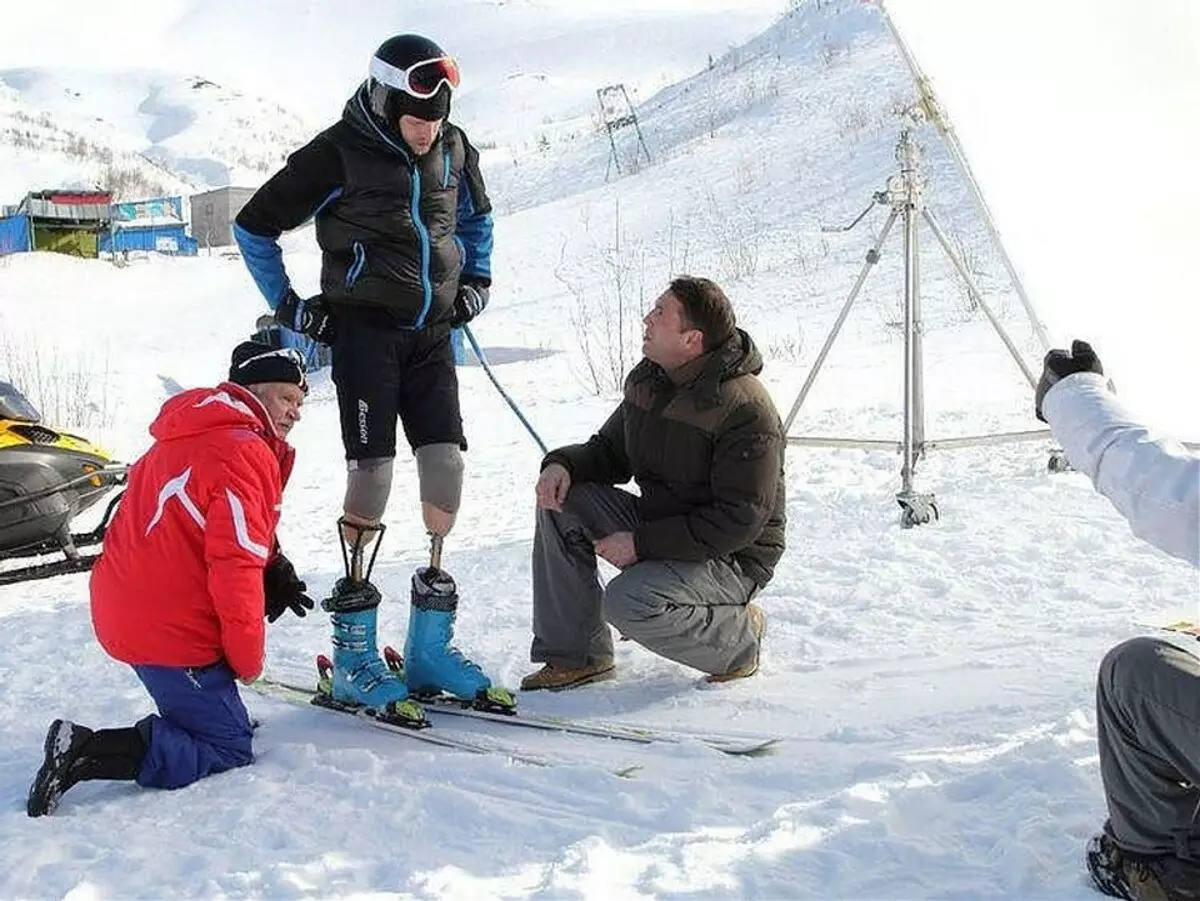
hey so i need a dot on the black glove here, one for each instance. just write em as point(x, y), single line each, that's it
point(1059, 364)
point(308, 317)
point(470, 302)
point(283, 589)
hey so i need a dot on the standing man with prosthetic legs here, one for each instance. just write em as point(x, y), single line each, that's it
point(404, 224)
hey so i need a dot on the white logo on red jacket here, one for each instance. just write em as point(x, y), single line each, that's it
point(177, 487)
point(239, 527)
point(222, 397)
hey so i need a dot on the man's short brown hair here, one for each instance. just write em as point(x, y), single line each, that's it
point(706, 308)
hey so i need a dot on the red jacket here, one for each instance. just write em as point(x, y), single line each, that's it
point(180, 581)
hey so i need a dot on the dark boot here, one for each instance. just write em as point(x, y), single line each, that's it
point(75, 753)
point(1119, 874)
point(63, 744)
point(110, 754)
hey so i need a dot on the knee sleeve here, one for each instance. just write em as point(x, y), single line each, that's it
point(440, 472)
point(368, 484)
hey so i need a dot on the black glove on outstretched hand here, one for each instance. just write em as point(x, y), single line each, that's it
point(471, 300)
point(308, 317)
point(1059, 364)
point(283, 589)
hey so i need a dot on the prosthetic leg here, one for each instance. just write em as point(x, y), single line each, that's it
point(431, 665)
point(357, 677)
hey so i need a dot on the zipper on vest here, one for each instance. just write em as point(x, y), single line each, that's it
point(423, 241)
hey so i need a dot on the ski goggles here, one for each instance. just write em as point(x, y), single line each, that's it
point(421, 80)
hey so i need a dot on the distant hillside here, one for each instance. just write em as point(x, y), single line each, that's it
point(822, 89)
point(137, 132)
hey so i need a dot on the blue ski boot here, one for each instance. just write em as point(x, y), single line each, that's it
point(432, 665)
point(358, 677)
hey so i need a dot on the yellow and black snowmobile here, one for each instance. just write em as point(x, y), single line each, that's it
point(47, 478)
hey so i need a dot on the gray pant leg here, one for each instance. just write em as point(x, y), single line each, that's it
point(1148, 727)
point(568, 628)
point(692, 613)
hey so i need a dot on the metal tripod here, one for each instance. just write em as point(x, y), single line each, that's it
point(904, 194)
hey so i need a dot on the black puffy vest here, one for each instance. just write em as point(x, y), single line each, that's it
point(388, 240)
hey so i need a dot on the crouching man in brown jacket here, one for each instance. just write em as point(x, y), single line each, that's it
point(702, 439)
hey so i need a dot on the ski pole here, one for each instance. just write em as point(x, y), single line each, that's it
point(491, 375)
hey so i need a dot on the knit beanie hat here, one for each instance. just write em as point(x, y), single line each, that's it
point(254, 363)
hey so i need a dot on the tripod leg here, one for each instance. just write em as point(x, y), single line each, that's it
point(916, 509)
point(936, 227)
point(912, 401)
point(872, 259)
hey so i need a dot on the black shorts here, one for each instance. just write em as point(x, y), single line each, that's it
point(383, 373)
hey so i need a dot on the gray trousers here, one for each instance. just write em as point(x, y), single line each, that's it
point(692, 613)
point(1148, 726)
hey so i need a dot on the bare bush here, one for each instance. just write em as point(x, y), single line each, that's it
point(71, 393)
point(808, 255)
point(129, 184)
point(609, 293)
point(738, 232)
point(785, 346)
point(852, 121)
point(679, 244)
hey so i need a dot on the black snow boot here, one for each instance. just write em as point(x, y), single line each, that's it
point(1120, 874)
point(75, 753)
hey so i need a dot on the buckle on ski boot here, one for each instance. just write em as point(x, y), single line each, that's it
point(487, 700)
point(407, 713)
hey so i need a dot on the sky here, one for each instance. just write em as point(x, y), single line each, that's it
point(1079, 118)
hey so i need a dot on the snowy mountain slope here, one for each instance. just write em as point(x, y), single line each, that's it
point(552, 54)
point(803, 138)
point(818, 93)
point(38, 151)
point(201, 114)
point(200, 132)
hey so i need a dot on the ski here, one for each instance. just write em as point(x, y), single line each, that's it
point(308, 697)
point(742, 746)
point(734, 745)
point(1182, 627)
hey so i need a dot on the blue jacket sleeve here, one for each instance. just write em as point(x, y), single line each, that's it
point(311, 180)
point(474, 228)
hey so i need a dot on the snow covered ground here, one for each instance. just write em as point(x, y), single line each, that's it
point(933, 685)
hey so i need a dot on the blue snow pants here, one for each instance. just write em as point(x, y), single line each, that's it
point(202, 727)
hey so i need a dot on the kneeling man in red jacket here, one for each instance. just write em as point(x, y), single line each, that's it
point(189, 569)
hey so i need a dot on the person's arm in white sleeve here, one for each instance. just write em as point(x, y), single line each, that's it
point(1152, 480)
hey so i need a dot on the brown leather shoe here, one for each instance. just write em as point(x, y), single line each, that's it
point(758, 627)
point(556, 678)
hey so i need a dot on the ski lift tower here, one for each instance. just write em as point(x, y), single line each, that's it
point(616, 112)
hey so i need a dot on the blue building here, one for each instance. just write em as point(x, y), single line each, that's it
point(16, 234)
point(152, 226)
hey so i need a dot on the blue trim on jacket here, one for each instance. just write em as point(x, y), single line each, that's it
point(423, 239)
point(333, 195)
point(399, 148)
point(474, 231)
point(264, 258)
